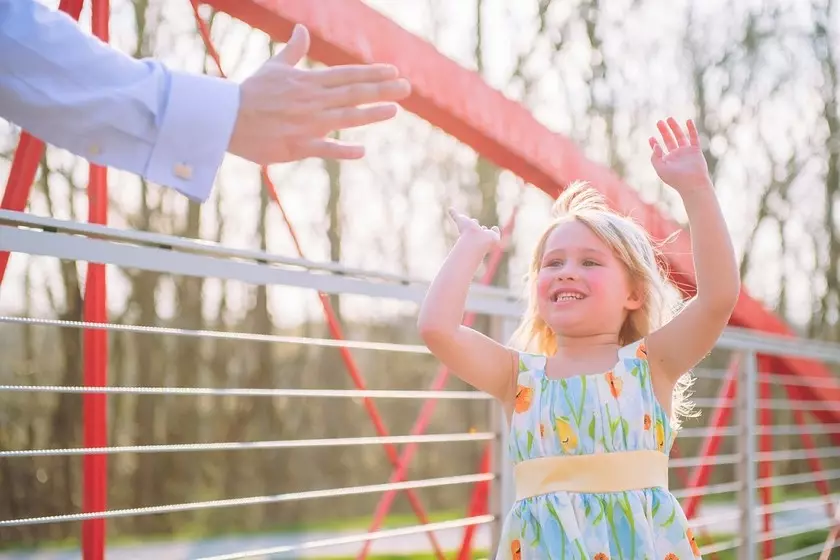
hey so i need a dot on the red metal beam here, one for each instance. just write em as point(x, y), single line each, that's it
point(94, 411)
point(813, 459)
point(501, 130)
point(830, 540)
point(711, 444)
point(478, 505)
point(19, 183)
point(95, 407)
point(765, 445)
point(683, 474)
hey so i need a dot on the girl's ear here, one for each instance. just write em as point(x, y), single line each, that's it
point(635, 299)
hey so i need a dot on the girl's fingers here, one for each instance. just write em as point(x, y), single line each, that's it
point(463, 221)
point(670, 143)
point(678, 133)
point(458, 218)
point(693, 137)
point(657, 149)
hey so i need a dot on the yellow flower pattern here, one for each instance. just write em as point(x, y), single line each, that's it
point(567, 435)
point(608, 412)
point(660, 435)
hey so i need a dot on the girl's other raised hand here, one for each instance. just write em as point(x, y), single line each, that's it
point(680, 164)
point(469, 228)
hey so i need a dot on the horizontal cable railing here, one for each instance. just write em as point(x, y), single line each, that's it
point(774, 448)
point(256, 500)
point(222, 335)
point(221, 392)
point(387, 534)
point(253, 445)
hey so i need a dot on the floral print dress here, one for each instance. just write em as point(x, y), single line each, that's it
point(601, 413)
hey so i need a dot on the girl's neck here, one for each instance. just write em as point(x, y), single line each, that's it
point(574, 347)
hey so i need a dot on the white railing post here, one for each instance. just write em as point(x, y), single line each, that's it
point(747, 475)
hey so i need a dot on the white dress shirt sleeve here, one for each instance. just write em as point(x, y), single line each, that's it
point(71, 90)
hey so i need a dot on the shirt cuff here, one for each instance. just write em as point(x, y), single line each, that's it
point(194, 133)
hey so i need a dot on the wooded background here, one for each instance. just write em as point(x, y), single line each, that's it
point(761, 80)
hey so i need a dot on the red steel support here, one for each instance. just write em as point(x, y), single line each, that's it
point(720, 419)
point(358, 380)
point(813, 460)
point(27, 155)
point(332, 322)
point(478, 504)
point(95, 467)
point(831, 540)
point(683, 476)
point(95, 411)
point(765, 444)
point(21, 177)
point(501, 130)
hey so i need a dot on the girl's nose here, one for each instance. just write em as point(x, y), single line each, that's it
point(568, 273)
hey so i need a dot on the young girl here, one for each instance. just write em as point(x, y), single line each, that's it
point(594, 393)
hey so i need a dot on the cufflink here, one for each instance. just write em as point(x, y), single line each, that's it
point(183, 171)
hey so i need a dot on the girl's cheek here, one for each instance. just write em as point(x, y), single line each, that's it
point(544, 280)
point(596, 280)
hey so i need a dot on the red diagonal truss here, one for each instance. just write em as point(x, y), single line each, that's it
point(428, 408)
point(329, 313)
point(501, 130)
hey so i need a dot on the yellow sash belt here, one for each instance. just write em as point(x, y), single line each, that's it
point(594, 473)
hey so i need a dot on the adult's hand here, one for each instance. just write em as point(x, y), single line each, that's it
point(286, 113)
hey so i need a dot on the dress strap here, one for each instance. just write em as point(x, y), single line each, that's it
point(531, 364)
point(637, 349)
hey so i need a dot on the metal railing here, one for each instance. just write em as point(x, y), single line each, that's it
point(745, 505)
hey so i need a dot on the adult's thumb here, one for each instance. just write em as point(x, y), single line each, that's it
point(297, 47)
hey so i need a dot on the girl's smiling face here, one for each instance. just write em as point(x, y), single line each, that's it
point(582, 288)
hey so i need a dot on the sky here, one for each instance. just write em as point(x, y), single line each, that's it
point(648, 39)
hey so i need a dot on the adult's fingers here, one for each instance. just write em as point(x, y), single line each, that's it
point(362, 94)
point(337, 76)
point(332, 149)
point(321, 123)
point(296, 48)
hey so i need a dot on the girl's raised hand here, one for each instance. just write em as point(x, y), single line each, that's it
point(681, 164)
point(469, 228)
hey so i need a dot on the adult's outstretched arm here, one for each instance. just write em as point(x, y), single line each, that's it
point(74, 91)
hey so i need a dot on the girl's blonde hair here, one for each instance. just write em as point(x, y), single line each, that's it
point(633, 247)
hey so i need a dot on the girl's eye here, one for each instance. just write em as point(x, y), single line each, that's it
point(590, 263)
point(553, 263)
